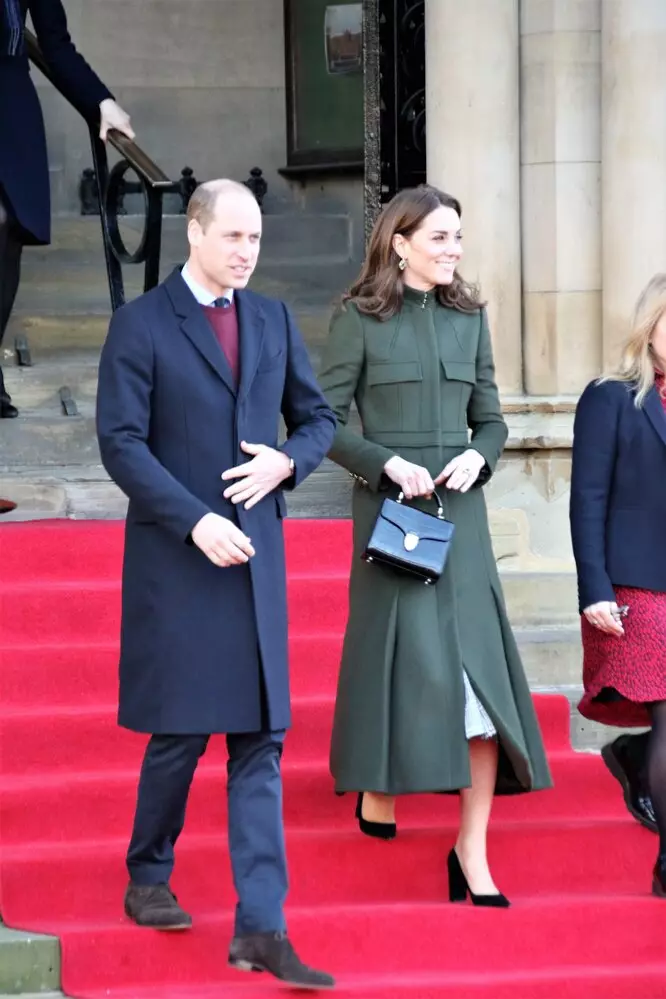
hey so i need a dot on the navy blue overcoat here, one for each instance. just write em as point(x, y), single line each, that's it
point(618, 492)
point(196, 639)
point(24, 171)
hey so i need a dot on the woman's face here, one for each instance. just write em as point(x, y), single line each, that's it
point(659, 341)
point(432, 253)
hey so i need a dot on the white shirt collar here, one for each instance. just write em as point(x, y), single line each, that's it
point(202, 295)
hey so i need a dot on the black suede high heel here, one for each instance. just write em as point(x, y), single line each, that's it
point(380, 830)
point(459, 887)
point(659, 878)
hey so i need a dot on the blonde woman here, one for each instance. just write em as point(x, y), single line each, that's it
point(618, 523)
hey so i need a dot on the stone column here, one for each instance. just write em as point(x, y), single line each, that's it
point(561, 193)
point(472, 99)
point(634, 158)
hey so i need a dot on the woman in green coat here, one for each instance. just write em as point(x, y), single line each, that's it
point(432, 695)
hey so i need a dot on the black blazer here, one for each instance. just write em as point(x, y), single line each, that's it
point(24, 172)
point(618, 492)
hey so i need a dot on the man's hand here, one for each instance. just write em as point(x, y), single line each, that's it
point(221, 541)
point(259, 477)
point(113, 116)
point(462, 472)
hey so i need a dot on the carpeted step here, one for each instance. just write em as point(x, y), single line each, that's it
point(84, 610)
point(71, 738)
point(555, 983)
point(551, 657)
point(330, 867)
point(77, 610)
point(583, 925)
point(405, 939)
point(29, 673)
point(61, 550)
point(68, 807)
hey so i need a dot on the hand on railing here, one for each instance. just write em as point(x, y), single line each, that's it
point(113, 116)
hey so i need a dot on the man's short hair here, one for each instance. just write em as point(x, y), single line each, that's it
point(202, 204)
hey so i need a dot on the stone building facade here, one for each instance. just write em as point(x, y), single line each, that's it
point(547, 118)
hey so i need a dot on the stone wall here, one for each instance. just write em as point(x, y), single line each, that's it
point(203, 80)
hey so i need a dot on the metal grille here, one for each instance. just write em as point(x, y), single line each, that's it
point(395, 99)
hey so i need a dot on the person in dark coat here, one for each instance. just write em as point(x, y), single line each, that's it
point(618, 528)
point(25, 207)
point(432, 695)
point(193, 379)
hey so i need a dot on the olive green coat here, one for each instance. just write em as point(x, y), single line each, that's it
point(421, 382)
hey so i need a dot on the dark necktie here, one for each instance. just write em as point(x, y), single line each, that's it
point(222, 303)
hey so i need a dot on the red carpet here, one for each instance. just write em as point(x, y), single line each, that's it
point(583, 925)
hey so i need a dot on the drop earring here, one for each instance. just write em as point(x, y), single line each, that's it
point(402, 264)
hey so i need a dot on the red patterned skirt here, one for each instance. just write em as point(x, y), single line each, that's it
point(622, 674)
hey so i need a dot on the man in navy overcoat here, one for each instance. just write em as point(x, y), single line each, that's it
point(194, 377)
point(25, 207)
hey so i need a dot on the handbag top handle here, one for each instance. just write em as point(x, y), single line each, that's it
point(436, 496)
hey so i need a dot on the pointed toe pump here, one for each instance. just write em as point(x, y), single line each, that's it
point(380, 830)
point(659, 877)
point(459, 887)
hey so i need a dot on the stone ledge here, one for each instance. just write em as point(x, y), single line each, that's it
point(539, 425)
point(29, 962)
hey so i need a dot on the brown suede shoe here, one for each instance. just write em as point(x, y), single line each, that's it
point(274, 953)
point(156, 907)
point(6, 506)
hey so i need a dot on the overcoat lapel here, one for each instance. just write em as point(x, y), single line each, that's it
point(655, 413)
point(197, 329)
point(251, 331)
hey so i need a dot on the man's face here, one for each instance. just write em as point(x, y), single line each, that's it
point(228, 250)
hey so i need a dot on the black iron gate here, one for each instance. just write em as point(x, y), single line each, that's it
point(395, 112)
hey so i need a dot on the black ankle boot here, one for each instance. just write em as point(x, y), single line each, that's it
point(625, 758)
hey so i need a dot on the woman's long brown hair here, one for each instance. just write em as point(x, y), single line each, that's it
point(379, 289)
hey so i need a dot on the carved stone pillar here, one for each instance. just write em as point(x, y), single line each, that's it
point(561, 194)
point(473, 152)
point(634, 158)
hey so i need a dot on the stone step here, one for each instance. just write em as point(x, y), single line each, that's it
point(76, 340)
point(539, 599)
point(551, 656)
point(29, 964)
point(305, 261)
point(291, 236)
point(586, 736)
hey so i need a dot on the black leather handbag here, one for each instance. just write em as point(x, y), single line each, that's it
point(411, 540)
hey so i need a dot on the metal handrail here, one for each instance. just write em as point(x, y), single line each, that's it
point(153, 184)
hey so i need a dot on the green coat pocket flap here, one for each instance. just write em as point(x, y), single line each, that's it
point(460, 371)
point(391, 372)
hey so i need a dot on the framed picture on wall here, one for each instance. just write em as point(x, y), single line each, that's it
point(324, 58)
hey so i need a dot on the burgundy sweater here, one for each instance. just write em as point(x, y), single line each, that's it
point(224, 323)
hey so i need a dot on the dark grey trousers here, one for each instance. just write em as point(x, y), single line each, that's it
point(256, 833)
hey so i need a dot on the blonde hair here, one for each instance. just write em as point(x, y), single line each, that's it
point(637, 362)
point(202, 204)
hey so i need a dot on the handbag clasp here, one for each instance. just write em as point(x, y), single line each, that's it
point(411, 541)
